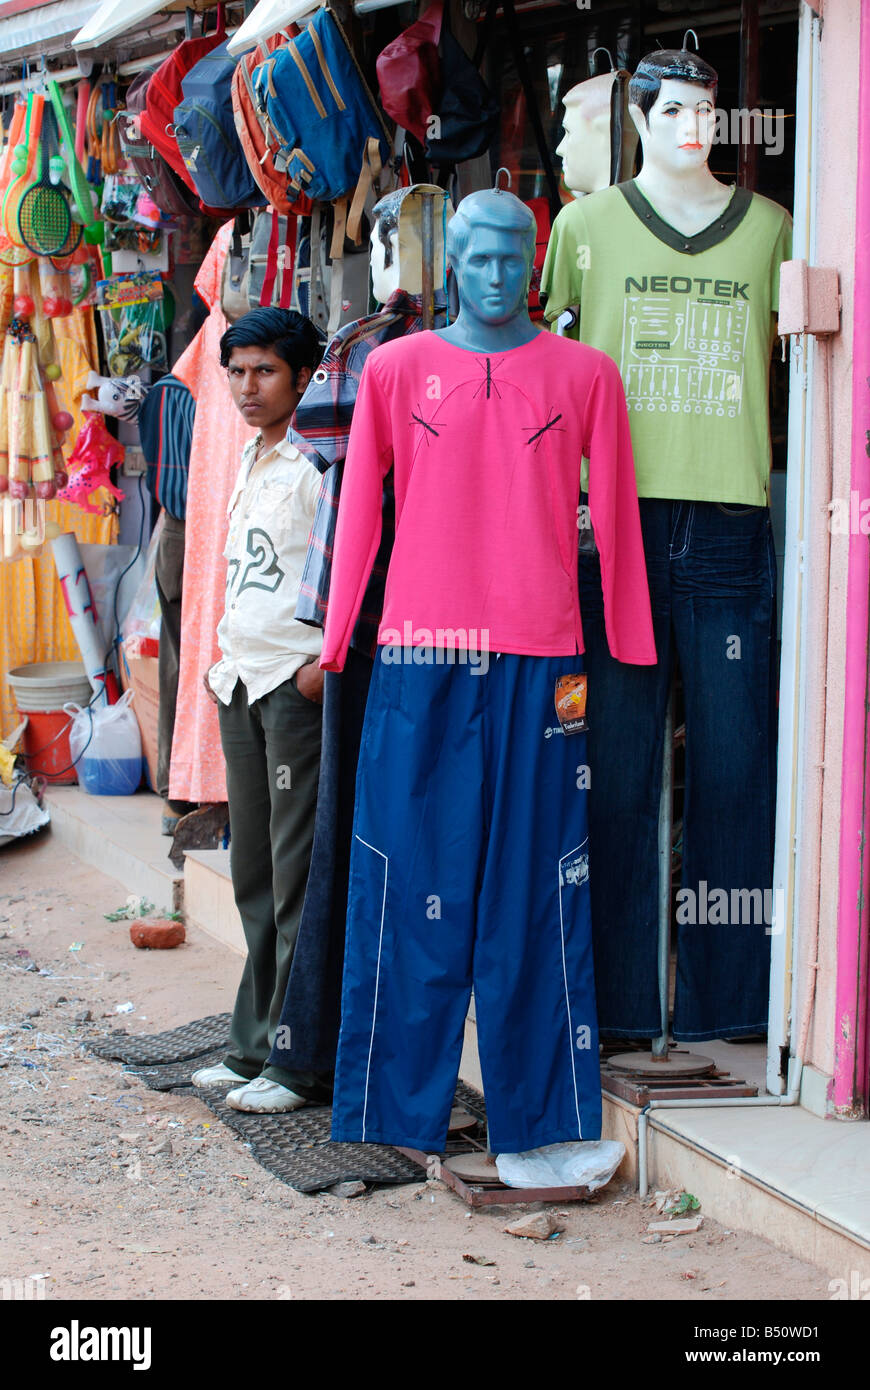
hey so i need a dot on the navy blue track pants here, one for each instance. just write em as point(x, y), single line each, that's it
point(469, 866)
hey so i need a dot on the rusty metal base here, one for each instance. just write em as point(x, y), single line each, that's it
point(675, 1066)
point(494, 1194)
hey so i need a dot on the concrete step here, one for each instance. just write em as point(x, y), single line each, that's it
point(121, 836)
point(208, 897)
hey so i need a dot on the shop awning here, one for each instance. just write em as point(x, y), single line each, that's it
point(45, 30)
point(267, 17)
point(114, 17)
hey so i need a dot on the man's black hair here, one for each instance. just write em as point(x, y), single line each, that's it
point(672, 65)
point(290, 335)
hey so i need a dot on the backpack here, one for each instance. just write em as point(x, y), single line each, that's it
point(206, 134)
point(164, 93)
point(333, 139)
point(162, 183)
point(259, 266)
point(258, 140)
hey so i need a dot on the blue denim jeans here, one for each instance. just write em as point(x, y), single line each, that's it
point(712, 579)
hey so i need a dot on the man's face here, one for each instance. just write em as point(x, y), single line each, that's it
point(493, 274)
point(681, 125)
point(263, 387)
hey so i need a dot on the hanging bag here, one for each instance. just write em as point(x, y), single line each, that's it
point(409, 73)
point(259, 142)
point(468, 113)
point(165, 187)
point(333, 139)
point(206, 136)
point(164, 93)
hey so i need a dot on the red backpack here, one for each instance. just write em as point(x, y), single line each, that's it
point(258, 140)
point(164, 94)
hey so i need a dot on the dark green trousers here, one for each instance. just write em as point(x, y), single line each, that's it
point(272, 752)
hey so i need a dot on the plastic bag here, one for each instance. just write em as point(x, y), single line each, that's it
point(106, 747)
point(21, 811)
point(586, 1163)
point(104, 566)
point(142, 619)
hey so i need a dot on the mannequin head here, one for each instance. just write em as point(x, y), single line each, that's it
point(672, 101)
point(490, 249)
point(396, 240)
point(586, 147)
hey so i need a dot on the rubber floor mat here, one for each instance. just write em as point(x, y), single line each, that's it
point(296, 1148)
point(175, 1076)
point(175, 1045)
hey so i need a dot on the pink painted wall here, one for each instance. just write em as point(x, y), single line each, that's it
point(852, 981)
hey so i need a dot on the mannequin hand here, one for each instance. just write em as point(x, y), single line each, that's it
point(208, 690)
point(309, 682)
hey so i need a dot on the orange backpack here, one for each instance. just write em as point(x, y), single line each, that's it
point(258, 140)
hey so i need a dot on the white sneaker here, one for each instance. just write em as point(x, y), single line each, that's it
point(215, 1076)
point(264, 1096)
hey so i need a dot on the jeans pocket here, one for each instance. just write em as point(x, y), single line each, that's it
point(737, 508)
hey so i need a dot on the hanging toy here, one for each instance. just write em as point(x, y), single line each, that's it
point(94, 454)
point(118, 396)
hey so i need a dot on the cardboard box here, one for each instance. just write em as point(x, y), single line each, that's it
point(139, 673)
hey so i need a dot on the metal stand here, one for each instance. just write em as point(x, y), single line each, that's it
point(427, 238)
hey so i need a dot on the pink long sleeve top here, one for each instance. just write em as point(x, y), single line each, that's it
point(486, 450)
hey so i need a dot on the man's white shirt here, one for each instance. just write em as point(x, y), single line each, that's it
point(271, 511)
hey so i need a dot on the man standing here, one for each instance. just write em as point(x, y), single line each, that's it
point(269, 690)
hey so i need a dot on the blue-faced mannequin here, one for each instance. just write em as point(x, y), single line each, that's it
point(490, 250)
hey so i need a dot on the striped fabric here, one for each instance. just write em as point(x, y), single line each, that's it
point(320, 429)
point(165, 432)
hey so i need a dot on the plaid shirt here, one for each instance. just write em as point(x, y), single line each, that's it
point(320, 430)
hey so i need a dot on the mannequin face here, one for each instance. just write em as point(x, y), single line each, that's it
point(492, 274)
point(585, 146)
point(678, 132)
point(385, 278)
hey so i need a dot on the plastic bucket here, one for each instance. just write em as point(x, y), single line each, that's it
point(49, 685)
point(41, 689)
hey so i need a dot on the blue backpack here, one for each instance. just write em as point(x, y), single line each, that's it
point(205, 131)
point(333, 139)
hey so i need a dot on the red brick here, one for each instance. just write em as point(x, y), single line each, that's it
point(156, 933)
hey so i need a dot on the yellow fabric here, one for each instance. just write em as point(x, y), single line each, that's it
point(34, 625)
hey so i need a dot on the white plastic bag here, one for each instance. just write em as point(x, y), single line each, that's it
point(106, 747)
point(587, 1163)
point(20, 810)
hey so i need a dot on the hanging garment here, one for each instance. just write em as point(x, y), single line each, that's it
point(165, 422)
point(219, 434)
point(321, 428)
point(729, 688)
point(470, 866)
point(35, 625)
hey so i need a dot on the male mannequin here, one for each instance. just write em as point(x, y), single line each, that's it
point(676, 277)
point(469, 860)
point(597, 135)
point(310, 1017)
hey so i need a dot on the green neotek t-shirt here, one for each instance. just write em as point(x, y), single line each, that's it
point(690, 321)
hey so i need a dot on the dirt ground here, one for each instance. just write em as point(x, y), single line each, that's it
point(111, 1191)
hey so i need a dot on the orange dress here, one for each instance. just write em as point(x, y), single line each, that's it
point(219, 433)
